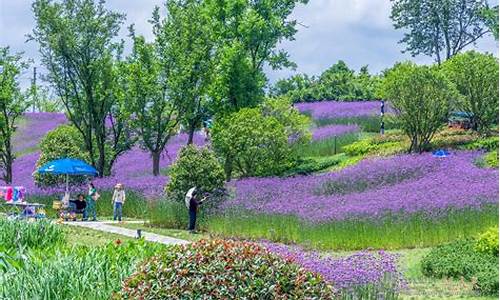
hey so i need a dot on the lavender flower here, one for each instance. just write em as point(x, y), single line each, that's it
point(325, 132)
point(336, 109)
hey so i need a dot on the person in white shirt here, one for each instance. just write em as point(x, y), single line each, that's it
point(118, 200)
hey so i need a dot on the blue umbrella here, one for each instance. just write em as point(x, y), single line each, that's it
point(440, 153)
point(67, 166)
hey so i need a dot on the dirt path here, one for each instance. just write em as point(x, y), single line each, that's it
point(107, 226)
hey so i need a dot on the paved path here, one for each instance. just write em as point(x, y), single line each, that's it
point(108, 227)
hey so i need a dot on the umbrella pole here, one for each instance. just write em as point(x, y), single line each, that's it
point(67, 183)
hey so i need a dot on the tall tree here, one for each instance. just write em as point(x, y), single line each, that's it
point(77, 46)
point(249, 33)
point(185, 46)
point(12, 106)
point(490, 17)
point(152, 111)
point(439, 28)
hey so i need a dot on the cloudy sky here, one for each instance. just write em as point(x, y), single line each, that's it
point(356, 31)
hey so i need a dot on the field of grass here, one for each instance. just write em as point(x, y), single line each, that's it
point(327, 147)
point(391, 233)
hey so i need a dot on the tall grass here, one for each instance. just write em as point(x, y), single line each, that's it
point(75, 273)
point(367, 123)
point(392, 232)
point(326, 147)
point(24, 234)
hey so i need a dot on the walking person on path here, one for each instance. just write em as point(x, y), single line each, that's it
point(92, 197)
point(193, 200)
point(118, 200)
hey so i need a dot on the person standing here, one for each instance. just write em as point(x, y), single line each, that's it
point(92, 197)
point(118, 200)
point(192, 201)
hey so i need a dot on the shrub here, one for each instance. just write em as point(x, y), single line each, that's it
point(310, 165)
point(459, 259)
point(421, 97)
point(223, 269)
point(491, 159)
point(195, 167)
point(64, 141)
point(488, 242)
point(475, 76)
point(488, 144)
point(252, 144)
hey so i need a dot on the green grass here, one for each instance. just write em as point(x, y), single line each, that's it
point(367, 123)
point(80, 236)
point(415, 231)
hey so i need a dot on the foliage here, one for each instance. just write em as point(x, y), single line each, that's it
point(195, 167)
point(77, 47)
point(153, 114)
point(251, 144)
point(336, 83)
point(491, 159)
point(19, 234)
point(223, 269)
point(185, 41)
point(488, 241)
point(421, 97)
point(328, 146)
point(248, 37)
point(459, 259)
point(490, 17)
point(63, 142)
point(488, 144)
point(75, 273)
point(309, 165)
point(439, 28)
point(12, 106)
point(166, 213)
point(295, 123)
point(475, 76)
point(388, 144)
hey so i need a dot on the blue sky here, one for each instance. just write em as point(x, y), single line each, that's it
point(356, 31)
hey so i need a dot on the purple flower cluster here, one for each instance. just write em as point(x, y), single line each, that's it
point(325, 132)
point(133, 168)
point(34, 128)
point(373, 188)
point(337, 109)
point(377, 269)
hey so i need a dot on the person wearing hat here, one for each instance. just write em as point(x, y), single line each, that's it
point(118, 200)
point(193, 200)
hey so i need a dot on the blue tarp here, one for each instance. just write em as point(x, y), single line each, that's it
point(440, 153)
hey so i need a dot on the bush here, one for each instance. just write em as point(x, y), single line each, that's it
point(421, 98)
point(252, 144)
point(488, 242)
point(310, 165)
point(64, 141)
point(491, 159)
point(488, 144)
point(194, 167)
point(475, 76)
point(388, 144)
point(460, 259)
point(223, 269)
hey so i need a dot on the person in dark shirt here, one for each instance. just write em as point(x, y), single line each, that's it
point(81, 204)
point(193, 200)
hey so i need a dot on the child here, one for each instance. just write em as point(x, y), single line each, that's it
point(117, 201)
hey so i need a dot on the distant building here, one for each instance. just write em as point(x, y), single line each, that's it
point(460, 120)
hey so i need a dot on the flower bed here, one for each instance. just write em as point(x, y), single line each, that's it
point(337, 109)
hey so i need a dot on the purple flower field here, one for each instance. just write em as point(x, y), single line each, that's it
point(378, 269)
point(325, 132)
point(133, 169)
point(337, 109)
point(373, 188)
point(34, 128)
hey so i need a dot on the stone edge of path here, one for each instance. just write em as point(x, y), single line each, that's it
point(107, 226)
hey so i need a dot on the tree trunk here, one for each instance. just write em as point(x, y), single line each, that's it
point(156, 162)
point(191, 130)
point(8, 168)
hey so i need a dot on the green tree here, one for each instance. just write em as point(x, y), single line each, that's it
point(251, 144)
point(77, 46)
point(439, 28)
point(475, 76)
point(421, 97)
point(185, 45)
point(490, 17)
point(197, 167)
point(153, 113)
point(248, 36)
point(12, 106)
point(62, 142)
